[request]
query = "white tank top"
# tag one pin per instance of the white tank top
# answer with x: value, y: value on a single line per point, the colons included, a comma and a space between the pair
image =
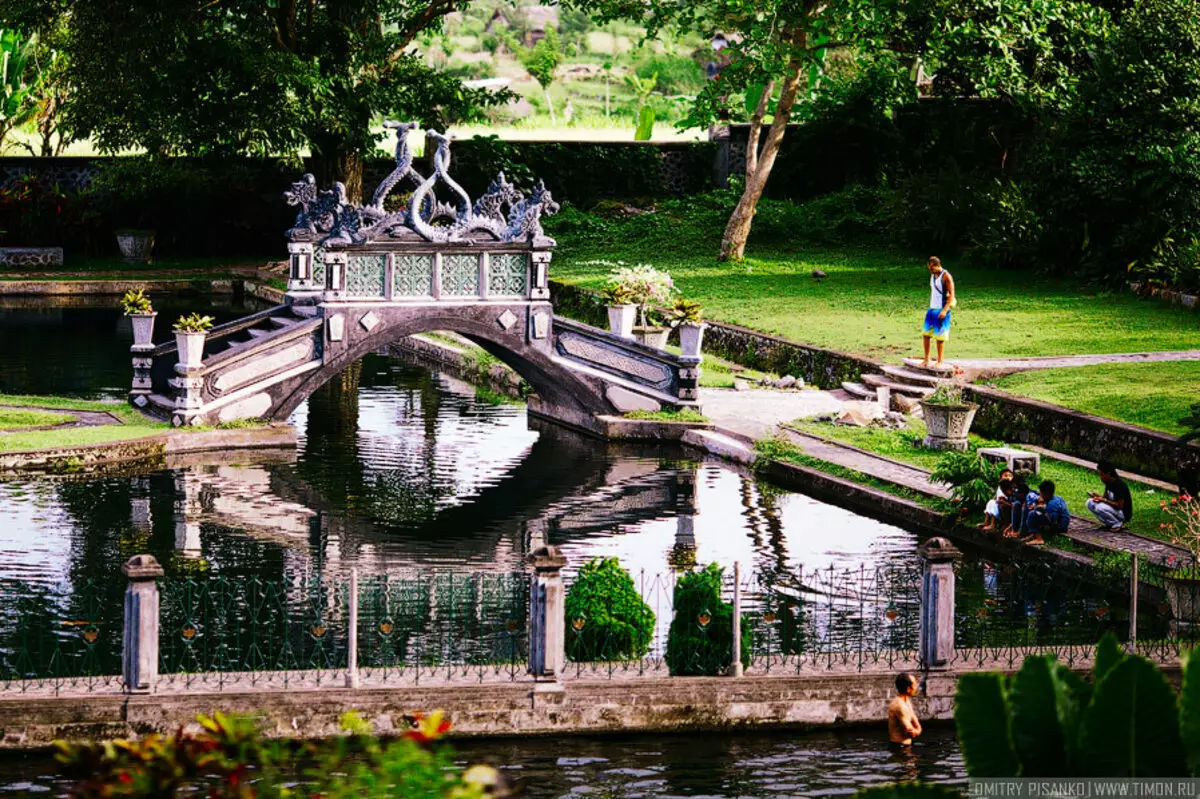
x: 937, y: 290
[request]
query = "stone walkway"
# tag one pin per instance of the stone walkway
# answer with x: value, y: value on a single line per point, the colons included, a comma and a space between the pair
x: 978, y: 368
x: 1083, y: 531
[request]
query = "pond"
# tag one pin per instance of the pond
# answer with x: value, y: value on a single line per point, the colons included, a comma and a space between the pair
x: 743, y: 764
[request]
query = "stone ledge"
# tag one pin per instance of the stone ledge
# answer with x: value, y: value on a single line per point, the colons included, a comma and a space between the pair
x: 31, y: 256
x: 620, y: 428
x: 112, y: 287
x: 151, y: 449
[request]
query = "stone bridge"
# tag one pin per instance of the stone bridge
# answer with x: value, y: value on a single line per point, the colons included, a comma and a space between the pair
x: 363, y: 277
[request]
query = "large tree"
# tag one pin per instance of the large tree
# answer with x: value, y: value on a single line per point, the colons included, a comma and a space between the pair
x: 267, y: 77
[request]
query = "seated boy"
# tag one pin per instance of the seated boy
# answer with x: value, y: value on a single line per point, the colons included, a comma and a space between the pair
x: 999, y: 507
x: 1046, y: 513
x: 903, y: 724
x: 1114, y: 508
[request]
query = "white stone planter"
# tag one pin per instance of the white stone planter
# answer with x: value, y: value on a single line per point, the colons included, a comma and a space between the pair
x: 948, y: 425
x: 652, y: 336
x: 191, y: 348
x: 136, y: 245
x: 1183, y: 594
x: 690, y: 338
x: 143, y: 328
x: 621, y: 319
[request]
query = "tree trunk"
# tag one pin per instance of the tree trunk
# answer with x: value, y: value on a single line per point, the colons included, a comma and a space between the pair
x: 334, y: 164
x: 733, y: 243
x: 756, y: 121
x: 549, y: 104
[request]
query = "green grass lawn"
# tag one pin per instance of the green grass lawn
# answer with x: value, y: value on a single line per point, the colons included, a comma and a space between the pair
x: 1154, y: 395
x: 1073, y: 482
x: 12, y: 419
x: 134, y: 425
x: 874, y: 299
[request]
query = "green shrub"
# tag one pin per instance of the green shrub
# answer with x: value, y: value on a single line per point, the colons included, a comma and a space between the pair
x: 972, y: 479
x: 676, y: 74
x: 700, y: 641
x: 607, y: 619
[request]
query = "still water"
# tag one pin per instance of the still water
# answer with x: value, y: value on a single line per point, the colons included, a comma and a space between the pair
x: 702, y: 765
x: 402, y: 469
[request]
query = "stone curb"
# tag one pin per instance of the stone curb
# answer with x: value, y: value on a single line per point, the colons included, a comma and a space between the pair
x: 619, y: 428
x: 112, y: 287
x: 150, y: 449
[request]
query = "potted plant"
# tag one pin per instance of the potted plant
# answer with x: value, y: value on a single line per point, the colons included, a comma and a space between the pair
x: 646, y: 286
x: 947, y: 418
x: 141, y: 313
x: 138, y: 192
x: 1183, y: 582
x: 685, y: 316
x: 622, y: 312
x: 190, y: 332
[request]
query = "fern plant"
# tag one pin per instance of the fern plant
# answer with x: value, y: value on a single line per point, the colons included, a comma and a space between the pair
x: 972, y: 479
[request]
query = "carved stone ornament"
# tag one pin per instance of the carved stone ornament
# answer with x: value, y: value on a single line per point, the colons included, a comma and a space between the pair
x: 503, y: 214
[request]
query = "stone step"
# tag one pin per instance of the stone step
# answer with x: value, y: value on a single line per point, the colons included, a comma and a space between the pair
x: 879, y: 381
x: 912, y: 377
x: 305, y: 311
x: 255, y: 332
x: 915, y: 365
x: 281, y: 321
x: 858, y: 390
x: 157, y: 405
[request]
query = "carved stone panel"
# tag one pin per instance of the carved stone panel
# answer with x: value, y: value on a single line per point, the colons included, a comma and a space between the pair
x: 262, y: 366
x: 365, y: 275
x: 413, y: 276
x: 460, y: 275
x: 613, y: 360
x: 507, y: 274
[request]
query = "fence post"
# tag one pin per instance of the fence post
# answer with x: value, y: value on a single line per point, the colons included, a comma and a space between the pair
x: 139, y: 653
x: 547, y: 615
x: 1133, y: 600
x: 736, y: 668
x: 937, y: 603
x: 352, y: 680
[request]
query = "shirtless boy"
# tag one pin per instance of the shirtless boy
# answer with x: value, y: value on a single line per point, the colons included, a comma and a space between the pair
x: 903, y: 724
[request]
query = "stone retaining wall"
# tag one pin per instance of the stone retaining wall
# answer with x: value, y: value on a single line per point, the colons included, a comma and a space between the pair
x: 1019, y: 419
x: 510, y: 709
x: 818, y: 366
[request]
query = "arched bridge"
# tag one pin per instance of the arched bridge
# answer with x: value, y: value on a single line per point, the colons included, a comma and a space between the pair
x: 362, y: 277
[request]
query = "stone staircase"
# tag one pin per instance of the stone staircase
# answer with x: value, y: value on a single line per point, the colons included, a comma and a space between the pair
x: 225, y: 343
x: 911, y: 381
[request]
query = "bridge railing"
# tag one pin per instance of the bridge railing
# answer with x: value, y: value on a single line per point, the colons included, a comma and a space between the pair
x: 420, y: 272
x: 674, y: 378
x: 306, y: 630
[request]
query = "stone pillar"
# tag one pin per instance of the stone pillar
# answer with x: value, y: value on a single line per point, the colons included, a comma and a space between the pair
x: 139, y: 655
x: 937, y: 603
x: 539, y: 275
x: 335, y: 275
x: 189, y: 395
x: 547, y: 615
x: 301, y: 287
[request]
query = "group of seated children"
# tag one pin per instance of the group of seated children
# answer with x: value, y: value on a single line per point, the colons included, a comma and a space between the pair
x: 1021, y: 512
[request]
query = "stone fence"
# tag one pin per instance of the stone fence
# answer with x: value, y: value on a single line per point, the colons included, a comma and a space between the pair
x: 1028, y: 421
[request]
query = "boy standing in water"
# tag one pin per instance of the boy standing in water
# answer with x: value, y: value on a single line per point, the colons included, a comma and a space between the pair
x: 937, y: 318
x: 903, y: 724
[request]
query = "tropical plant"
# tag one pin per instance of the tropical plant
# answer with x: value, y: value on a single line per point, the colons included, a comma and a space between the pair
x: 1182, y: 524
x: 700, y: 641
x: 615, y: 293
x: 684, y: 312
x: 646, y: 286
x: 230, y: 759
x: 606, y: 617
x: 136, y: 303
x: 642, y: 88
x: 193, y: 323
x: 542, y: 62
x: 972, y: 479
x: 946, y: 394
x: 16, y: 98
x: 1047, y: 721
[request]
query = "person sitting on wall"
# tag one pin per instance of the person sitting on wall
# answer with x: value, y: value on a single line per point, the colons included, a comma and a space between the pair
x: 1045, y: 513
x: 1017, y: 509
x: 1000, y: 507
x: 1115, y: 508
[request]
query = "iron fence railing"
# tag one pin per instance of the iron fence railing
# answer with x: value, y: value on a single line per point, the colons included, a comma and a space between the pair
x: 219, y: 630
x: 58, y: 638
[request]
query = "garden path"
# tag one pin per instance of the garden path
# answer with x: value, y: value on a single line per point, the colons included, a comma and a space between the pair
x: 977, y: 368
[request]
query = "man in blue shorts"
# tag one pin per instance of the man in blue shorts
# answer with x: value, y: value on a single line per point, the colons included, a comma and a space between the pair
x: 937, y: 318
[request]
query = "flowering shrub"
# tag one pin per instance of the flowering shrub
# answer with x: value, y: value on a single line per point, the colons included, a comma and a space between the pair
x: 1183, y: 523
x: 645, y: 285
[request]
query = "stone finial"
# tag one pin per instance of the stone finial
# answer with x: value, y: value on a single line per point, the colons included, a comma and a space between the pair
x: 939, y: 550
x: 547, y: 558
x: 142, y: 567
